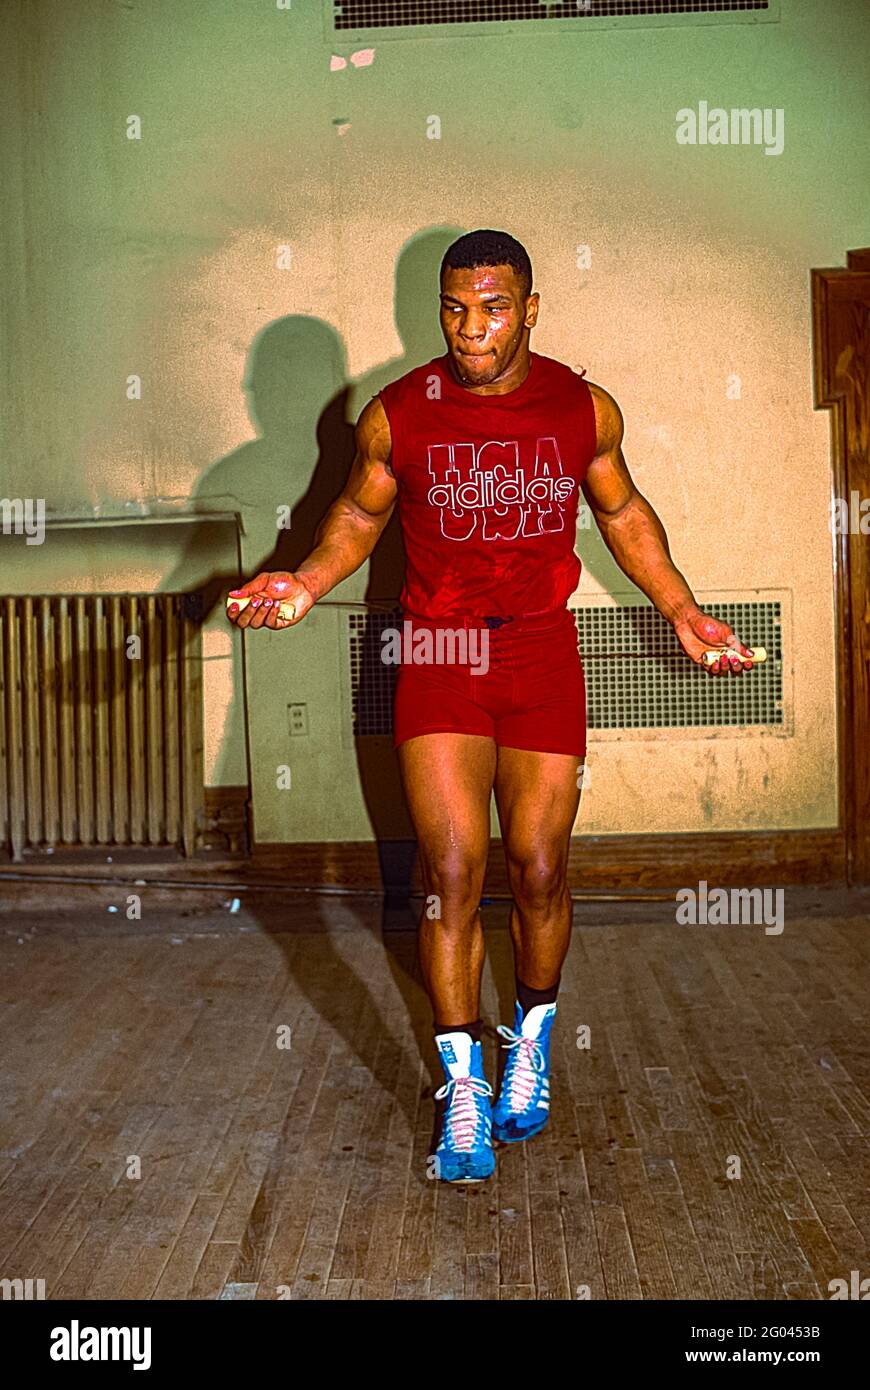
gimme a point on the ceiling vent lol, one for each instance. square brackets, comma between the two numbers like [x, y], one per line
[365, 15]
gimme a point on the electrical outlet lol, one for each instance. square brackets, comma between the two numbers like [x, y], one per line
[298, 720]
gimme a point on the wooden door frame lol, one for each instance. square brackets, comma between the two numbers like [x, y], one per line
[842, 385]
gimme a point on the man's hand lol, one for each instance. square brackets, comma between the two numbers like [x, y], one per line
[698, 632]
[268, 591]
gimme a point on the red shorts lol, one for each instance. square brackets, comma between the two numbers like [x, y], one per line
[520, 683]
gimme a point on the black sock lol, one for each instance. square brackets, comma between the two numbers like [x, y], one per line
[474, 1028]
[528, 998]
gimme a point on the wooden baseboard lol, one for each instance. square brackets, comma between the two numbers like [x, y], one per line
[227, 819]
[596, 863]
[738, 858]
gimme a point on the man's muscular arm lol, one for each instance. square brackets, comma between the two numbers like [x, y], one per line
[631, 529]
[352, 527]
[345, 538]
[635, 537]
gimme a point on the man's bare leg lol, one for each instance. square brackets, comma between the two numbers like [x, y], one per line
[448, 781]
[537, 795]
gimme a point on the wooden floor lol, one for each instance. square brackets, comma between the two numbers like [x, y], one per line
[301, 1172]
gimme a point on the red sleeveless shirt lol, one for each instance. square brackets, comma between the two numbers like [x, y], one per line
[488, 489]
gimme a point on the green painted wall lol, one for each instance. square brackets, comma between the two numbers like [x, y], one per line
[158, 258]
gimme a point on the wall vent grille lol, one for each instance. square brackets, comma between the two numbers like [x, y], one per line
[394, 14]
[637, 676]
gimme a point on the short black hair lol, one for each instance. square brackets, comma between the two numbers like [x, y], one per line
[489, 248]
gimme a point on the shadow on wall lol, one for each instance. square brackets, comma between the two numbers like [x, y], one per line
[304, 408]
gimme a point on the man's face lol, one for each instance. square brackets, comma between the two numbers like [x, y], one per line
[485, 319]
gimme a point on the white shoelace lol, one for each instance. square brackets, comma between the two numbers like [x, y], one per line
[527, 1062]
[462, 1117]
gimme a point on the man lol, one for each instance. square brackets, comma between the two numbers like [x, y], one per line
[485, 449]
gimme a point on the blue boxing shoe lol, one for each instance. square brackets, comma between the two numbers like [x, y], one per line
[523, 1105]
[464, 1152]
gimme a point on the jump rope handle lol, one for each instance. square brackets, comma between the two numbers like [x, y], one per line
[757, 655]
[286, 609]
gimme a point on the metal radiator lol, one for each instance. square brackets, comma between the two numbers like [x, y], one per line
[101, 722]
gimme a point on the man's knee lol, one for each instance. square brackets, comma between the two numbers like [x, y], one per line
[538, 879]
[455, 879]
